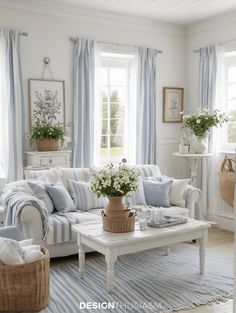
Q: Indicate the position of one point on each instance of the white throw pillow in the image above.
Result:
(11, 252)
(32, 253)
(177, 191)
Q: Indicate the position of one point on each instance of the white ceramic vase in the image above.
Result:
(199, 145)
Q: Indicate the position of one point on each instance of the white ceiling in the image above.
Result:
(182, 12)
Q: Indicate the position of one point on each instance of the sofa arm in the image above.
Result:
(191, 196)
(31, 224)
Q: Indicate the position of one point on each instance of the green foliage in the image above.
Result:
(44, 130)
(203, 121)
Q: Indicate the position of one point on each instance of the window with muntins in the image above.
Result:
(229, 132)
(116, 104)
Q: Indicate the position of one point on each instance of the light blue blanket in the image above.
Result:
(15, 202)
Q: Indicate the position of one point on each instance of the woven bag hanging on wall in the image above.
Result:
(227, 180)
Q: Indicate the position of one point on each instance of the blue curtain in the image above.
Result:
(207, 77)
(207, 91)
(146, 106)
(13, 101)
(83, 128)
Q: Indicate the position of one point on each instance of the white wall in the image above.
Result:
(218, 30)
(49, 31)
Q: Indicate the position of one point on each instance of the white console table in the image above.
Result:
(42, 160)
(193, 161)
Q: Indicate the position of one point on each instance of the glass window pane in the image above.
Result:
(232, 92)
(117, 126)
(119, 94)
(117, 110)
(104, 142)
(232, 132)
(232, 115)
(104, 76)
(104, 94)
(117, 141)
(118, 76)
(232, 74)
(104, 127)
(104, 110)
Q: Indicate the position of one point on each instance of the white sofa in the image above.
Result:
(31, 222)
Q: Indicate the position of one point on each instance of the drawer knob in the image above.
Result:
(50, 161)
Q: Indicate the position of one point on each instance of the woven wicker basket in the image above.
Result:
(119, 225)
(25, 287)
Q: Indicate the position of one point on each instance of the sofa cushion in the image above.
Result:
(61, 198)
(52, 175)
(77, 174)
(157, 193)
(59, 225)
(41, 193)
(84, 198)
(149, 170)
(19, 185)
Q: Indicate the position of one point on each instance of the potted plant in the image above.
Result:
(200, 124)
(48, 135)
(115, 183)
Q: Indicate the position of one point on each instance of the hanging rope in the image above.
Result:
(47, 67)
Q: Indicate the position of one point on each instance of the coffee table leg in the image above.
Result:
(110, 260)
(81, 260)
(202, 255)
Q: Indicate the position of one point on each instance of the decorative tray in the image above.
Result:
(167, 221)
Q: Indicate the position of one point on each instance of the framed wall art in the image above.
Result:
(173, 99)
(47, 97)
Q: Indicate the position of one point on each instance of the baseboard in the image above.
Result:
(223, 222)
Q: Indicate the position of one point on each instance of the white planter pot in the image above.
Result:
(199, 145)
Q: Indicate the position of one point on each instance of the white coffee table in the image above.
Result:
(113, 244)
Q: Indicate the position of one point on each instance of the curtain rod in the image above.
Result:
(116, 44)
(221, 44)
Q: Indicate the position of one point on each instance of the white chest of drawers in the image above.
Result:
(47, 159)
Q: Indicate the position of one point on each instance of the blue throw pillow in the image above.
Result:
(157, 193)
(41, 193)
(61, 199)
(84, 198)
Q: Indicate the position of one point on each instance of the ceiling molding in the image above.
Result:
(97, 16)
(216, 21)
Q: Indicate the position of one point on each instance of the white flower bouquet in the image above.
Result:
(114, 181)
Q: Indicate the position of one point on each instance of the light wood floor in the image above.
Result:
(220, 241)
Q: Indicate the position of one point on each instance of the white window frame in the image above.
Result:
(230, 60)
(123, 58)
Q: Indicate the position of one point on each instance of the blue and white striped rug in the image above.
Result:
(144, 282)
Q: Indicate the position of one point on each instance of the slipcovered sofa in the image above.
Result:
(60, 241)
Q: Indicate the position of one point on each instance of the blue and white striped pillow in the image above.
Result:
(84, 198)
(137, 197)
